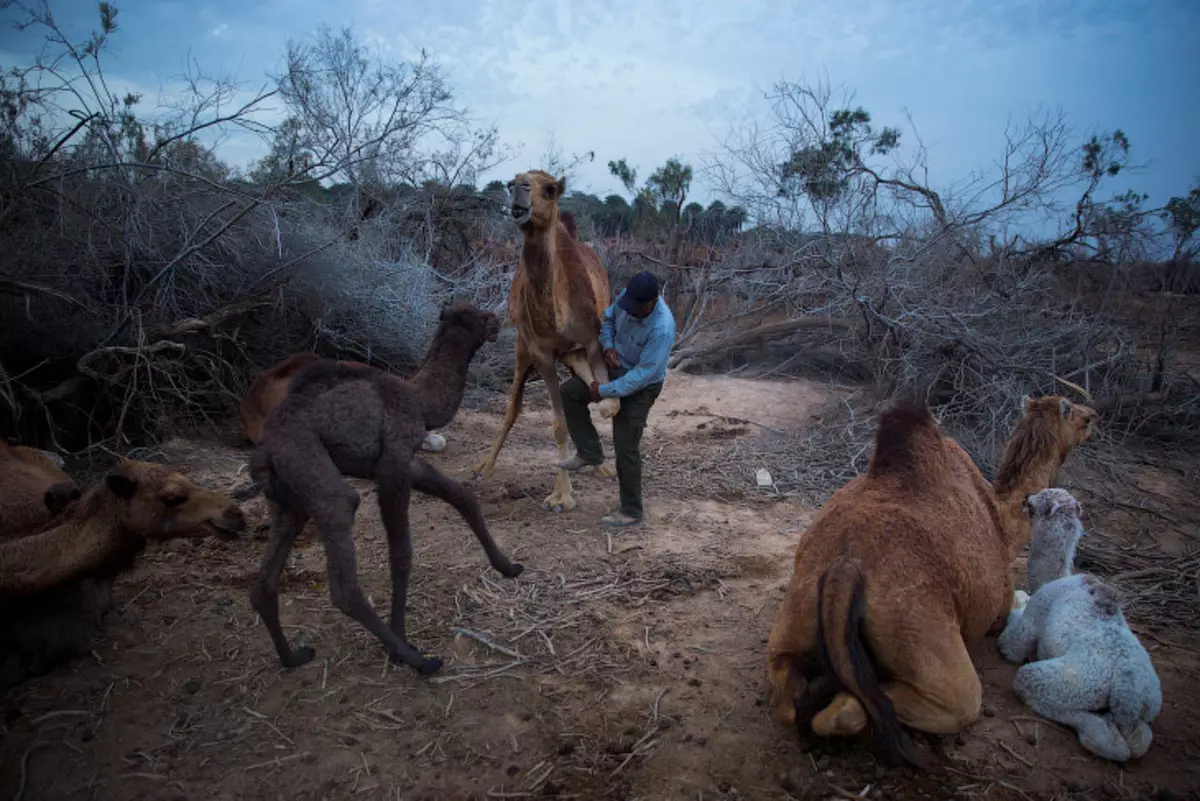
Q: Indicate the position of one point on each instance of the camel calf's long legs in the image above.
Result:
(286, 525)
(516, 397)
(334, 516)
(427, 479)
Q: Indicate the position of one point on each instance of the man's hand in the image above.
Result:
(594, 389)
(611, 359)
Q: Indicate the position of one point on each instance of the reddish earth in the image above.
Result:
(639, 660)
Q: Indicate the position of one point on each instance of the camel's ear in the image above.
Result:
(561, 187)
(1064, 408)
(121, 485)
(1026, 405)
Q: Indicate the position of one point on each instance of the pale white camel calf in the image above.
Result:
(1091, 673)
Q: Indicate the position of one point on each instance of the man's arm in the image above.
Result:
(607, 331)
(652, 358)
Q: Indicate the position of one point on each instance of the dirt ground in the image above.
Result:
(625, 666)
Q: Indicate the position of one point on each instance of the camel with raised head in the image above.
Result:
(56, 585)
(343, 420)
(902, 569)
(271, 386)
(556, 302)
(34, 489)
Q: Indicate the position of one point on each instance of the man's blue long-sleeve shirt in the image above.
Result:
(642, 345)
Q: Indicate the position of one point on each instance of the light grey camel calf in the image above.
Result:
(1091, 673)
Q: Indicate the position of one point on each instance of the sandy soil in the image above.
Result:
(627, 666)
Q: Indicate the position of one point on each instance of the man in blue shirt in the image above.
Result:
(637, 334)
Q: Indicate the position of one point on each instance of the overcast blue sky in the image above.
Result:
(649, 79)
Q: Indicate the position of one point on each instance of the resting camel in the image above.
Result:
(556, 302)
(902, 569)
(33, 489)
(56, 585)
(346, 420)
(1089, 671)
(271, 386)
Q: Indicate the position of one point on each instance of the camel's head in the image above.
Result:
(1075, 423)
(1052, 502)
(160, 504)
(480, 325)
(535, 196)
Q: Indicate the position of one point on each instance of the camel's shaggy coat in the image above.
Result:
(343, 420)
(271, 386)
(557, 300)
(56, 585)
(904, 567)
(1091, 673)
(33, 490)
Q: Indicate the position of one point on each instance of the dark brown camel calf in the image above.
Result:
(343, 420)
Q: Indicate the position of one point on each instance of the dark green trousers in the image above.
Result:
(628, 426)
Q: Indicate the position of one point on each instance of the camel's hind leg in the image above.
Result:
(1060, 691)
(516, 396)
(939, 693)
(581, 365)
(286, 525)
(427, 479)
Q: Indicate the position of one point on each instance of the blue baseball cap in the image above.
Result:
(641, 289)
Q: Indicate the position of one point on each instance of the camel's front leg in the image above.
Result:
(562, 499)
(609, 407)
(515, 397)
(583, 367)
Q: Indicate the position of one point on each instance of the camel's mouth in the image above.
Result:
(224, 531)
(520, 213)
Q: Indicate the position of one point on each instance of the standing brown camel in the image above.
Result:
(271, 386)
(56, 585)
(902, 569)
(557, 300)
(33, 489)
(343, 420)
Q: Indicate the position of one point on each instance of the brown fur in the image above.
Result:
(271, 386)
(557, 300)
(925, 540)
(56, 585)
(349, 420)
(33, 490)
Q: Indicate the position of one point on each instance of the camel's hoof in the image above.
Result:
(1020, 599)
(300, 656)
(433, 443)
(609, 408)
(514, 570)
(844, 717)
(556, 504)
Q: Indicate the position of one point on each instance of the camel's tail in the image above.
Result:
(841, 610)
(274, 488)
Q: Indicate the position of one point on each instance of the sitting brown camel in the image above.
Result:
(557, 300)
(902, 569)
(271, 386)
(344, 420)
(56, 585)
(33, 489)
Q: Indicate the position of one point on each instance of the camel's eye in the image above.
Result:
(548, 190)
(174, 499)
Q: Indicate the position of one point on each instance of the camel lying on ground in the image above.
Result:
(556, 302)
(344, 420)
(1091, 672)
(902, 569)
(271, 386)
(33, 489)
(56, 585)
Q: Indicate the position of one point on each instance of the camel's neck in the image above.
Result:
(1039, 475)
(1048, 563)
(440, 381)
(538, 256)
(92, 544)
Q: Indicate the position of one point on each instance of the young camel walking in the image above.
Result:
(343, 420)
